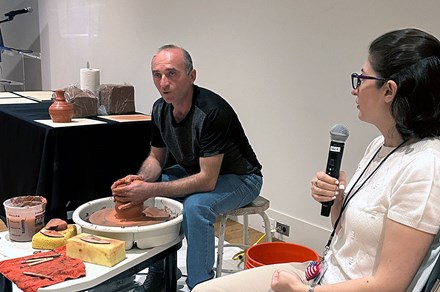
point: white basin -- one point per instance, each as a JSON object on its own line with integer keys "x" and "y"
{"x": 142, "y": 236}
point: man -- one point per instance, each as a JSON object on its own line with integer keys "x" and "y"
{"x": 216, "y": 169}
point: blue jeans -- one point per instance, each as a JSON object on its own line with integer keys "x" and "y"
{"x": 200, "y": 211}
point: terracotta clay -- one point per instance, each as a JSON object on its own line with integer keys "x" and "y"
{"x": 61, "y": 111}
{"x": 132, "y": 212}
{"x": 109, "y": 217}
{"x": 56, "y": 224}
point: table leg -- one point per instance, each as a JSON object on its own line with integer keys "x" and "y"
{"x": 171, "y": 272}
{"x": 5, "y": 284}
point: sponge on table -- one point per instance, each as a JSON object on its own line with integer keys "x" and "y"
{"x": 105, "y": 252}
{"x": 41, "y": 241}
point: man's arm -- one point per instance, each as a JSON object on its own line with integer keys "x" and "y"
{"x": 151, "y": 168}
{"x": 204, "y": 181}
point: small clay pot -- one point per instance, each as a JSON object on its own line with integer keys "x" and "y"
{"x": 132, "y": 212}
{"x": 61, "y": 111}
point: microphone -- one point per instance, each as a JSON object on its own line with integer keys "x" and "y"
{"x": 13, "y": 13}
{"x": 338, "y": 135}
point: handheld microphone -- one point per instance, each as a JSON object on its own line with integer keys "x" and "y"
{"x": 13, "y": 13}
{"x": 338, "y": 135}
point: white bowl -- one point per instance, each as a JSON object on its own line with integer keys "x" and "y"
{"x": 143, "y": 236}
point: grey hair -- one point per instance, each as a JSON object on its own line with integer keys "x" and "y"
{"x": 186, "y": 56}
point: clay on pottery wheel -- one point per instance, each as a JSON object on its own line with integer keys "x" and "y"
{"x": 109, "y": 217}
{"x": 132, "y": 212}
{"x": 61, "y": 111}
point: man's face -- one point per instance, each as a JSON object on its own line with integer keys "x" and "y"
{"x": 169, "y": 76}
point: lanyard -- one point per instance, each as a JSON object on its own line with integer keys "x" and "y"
{"x": 350, "y": 196}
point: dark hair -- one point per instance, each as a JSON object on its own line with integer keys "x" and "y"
{"x": 186, "y": 56}
{"x": 411, "y": 58}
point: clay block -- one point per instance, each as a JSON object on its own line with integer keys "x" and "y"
{"x": 117, "y": 98}
{"x": 85, "y": 104}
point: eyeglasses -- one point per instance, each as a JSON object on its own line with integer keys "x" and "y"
{"x": 356, "y": 79}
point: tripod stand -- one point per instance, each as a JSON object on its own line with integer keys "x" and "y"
{"x": 14, "y": 52}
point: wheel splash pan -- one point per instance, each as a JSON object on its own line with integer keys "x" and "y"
{"x": 142, "y": 236}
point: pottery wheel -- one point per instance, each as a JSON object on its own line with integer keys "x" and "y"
{"x": 107, "y": 217}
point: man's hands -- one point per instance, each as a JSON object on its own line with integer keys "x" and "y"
{"x": 126, "y": 181}
{"x": 130, "y": 190}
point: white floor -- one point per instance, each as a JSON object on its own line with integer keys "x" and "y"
{"x": 228, "y": 263}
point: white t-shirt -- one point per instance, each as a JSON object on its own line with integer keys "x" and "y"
{"x": 405, "y": 189}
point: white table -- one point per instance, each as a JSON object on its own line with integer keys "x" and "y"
{"x": 137, "y": 260}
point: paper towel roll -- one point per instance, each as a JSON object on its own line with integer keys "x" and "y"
{"x": 90, "y": 80}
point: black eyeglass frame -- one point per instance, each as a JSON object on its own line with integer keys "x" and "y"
{"x": 359, "y": 78}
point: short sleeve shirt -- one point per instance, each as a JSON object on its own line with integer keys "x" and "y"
{"x": 405, "y": 189}
{"x": 210, "y": 128}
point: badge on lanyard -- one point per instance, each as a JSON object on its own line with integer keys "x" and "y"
{"x": 315, "y": 271}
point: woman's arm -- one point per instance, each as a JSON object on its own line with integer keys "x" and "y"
{"x": 402, "y": 253}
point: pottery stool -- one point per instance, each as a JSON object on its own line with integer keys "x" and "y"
{"x": 258, "y": 206}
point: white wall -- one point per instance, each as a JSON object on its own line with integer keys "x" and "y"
{"x": 284, "y": 65}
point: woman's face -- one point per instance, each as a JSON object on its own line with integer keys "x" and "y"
{"x": 370, "y": 99}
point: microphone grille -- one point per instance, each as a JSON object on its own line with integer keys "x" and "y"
{"x": 339, "y": 133}
{"x": 29, "y": 9}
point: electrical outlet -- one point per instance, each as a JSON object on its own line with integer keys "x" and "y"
{"x": 282, "y": 228}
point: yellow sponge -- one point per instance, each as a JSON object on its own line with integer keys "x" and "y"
{"x": 41, "y": 241}
{"x": 96, "y": 250}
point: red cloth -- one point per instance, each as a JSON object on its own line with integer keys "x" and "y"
{"x": 60, "y": 269}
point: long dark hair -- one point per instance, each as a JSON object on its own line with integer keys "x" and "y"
{"x": 411, "y": 58}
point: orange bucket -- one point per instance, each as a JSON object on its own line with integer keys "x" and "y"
{"x": 268, "y": 253}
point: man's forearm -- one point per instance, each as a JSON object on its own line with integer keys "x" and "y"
{"x": 182, "y": 187}
{"x": 150, "y": 170}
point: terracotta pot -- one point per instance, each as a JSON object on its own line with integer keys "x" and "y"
{"x": 60, "y": 111}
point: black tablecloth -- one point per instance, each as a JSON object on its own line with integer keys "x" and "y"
{"x": 69, "y": 165}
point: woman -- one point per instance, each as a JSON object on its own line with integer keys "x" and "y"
{"x": 386, "y": 220}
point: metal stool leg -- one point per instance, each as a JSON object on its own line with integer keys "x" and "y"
{"x": 258, "y": 206}
{"x": 267, "y": 226}
{"x": 245, "y": 230}
{"x": 221, "y": 241}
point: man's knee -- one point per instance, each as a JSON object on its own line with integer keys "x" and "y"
{"x": 195, "y": 207}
